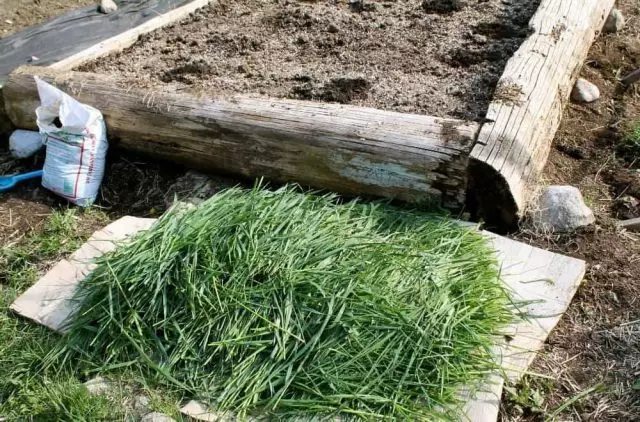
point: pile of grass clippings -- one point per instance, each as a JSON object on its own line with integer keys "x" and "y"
{"x": 290, "y": 304}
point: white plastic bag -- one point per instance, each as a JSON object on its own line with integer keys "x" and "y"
{"x": 76, "y": 140}
{"x": 24, "y": 143}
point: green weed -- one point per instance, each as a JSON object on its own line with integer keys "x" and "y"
{"x": 529, "y": 393}
{"x": 63, "y": 232}
{"x": 629, "y": 146}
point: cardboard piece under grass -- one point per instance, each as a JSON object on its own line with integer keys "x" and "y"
{"x": 545, "y": 279}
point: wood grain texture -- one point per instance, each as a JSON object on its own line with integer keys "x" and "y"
{"x": 527, "y": 107}
{"x": 346, "y": 149}
{"x": 74, "y": 33}
{"x": 548, "y": 282}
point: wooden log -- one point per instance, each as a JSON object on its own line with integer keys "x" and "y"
{"x": 514, "y": 144}
{"x": 347, "y": 149}
{"x": 6, "y": 127}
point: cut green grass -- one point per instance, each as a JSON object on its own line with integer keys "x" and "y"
{"x": 289, "y": 304}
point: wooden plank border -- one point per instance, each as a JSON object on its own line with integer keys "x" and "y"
{"x": 513, "y": 146}
{"x": 352, "y": 150}
{"x": 127, "y": 38}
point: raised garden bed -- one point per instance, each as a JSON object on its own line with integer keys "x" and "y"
{"x": 221, "y": 91}
{"x": 399, "y": 56}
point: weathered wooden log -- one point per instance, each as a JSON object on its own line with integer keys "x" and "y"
{"x": 514, "y": 144}
{"x": 347, "y": 149}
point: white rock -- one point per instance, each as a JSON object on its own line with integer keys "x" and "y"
{"x": 8, "y": 21}
{"x": 34, "y": 59}
{"x": 157, "y": 417}
{"x": 615, "y": 22}
{"x": 98, "y": 386}
{"x": 199, "y": 411}
{"x": 561, "y": 209}
{"x": 584, "y": 92}
{"x": 107, "y": 6}
{"x": 25, "y": 143}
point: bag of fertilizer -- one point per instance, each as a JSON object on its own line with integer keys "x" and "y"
{"x": 76, "y": 141}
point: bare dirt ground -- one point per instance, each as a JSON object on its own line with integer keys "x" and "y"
{"x": 597, "y": 343}
{"x": 426, "y": 57}
{"x": 16, "y": 15}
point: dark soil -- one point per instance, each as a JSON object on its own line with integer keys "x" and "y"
{"x": 436, "y": 57}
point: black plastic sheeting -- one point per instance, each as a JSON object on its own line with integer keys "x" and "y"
{"x": 75, "y": 31}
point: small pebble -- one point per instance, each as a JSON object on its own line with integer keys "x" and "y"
{"x": 141, "y": 402}
{"x": 480, "y": 39}
{"x": 10, "y": 22}
{"x": 98, "y": 386}
{"x": 615, "y": 22}
{"x": 107, "y": 6}
{"x": 584, "y": 92}
{"x": 157, "y": 417}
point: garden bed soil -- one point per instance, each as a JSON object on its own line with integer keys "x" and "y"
{"x": 436, "y": 57}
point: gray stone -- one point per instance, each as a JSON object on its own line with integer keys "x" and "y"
{"x": 561, "y": 209}
{"x": 107, "y": 6}
{"x": 200, "y": 412}
{"x": 584, "y": 92}
{"x": 194, "y": 188}
{"x": 141, "y": 402}
{"x": 98, "y": 386}
{"x": 615, "y": 22}
{"x": 157, "y": 417}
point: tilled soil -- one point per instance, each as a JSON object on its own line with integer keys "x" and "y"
{"x": 436, "y": 57}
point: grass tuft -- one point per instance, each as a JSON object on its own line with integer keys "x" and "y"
{"x": 629, "y": 147}
{"x": 287, "y": 303}
{"x": 58, "y": 237}
{"x": 27, "y": 392}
